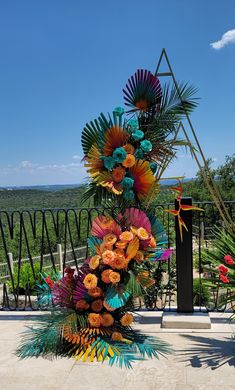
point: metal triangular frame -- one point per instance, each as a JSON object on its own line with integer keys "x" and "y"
{"x": 209, "y": 181}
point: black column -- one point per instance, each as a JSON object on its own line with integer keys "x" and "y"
{"x": 184, "y": 260}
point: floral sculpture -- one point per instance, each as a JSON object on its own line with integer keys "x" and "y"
{"x": 125, "y": 156}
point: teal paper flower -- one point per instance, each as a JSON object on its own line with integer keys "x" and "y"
{"x": 133, "y": 123}
{"x": 127, "y": 183}
{"x": 129, "y": 195}
{"x": 137, "y": 135}
{"x": 146, "y": 146}
{"x": 109, "y": 162}
{"x": 119, "y": 111}
{"x": 139, "y": 154}
{"x": 119, "y": 155}
{"x": 153, "y": 166}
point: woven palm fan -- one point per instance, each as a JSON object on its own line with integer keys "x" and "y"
{"x": 143, "y": 91}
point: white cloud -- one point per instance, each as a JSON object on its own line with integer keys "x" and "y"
{"x": 31, "y": 173}
{"x": 228, "y": 37}
{"x": 77, "y": 157}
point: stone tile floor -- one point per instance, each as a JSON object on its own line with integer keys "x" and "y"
{"x": 202, "y": 359}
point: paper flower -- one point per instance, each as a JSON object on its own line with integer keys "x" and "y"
{"x": 94, "y": 320}
{"x": 139, "y": 154}
{"x": 95, "y": 292}
{"x": 118, "y": 174}
{"x": 146, "y": 146}
{"x": 90, "y": 281}
{"x": 105, "y": 276}
{"x": 94, "y": 262}
{"x": 129, "y": 161}
{"x": 153, "y": 166}
{"x": 107, "y": 320}
{"x": 82, "y": 304}
{"x": 110, "y": 239}
{"x": 129, "y": 148}
{"x": 119, "y": 155}
{"x": 108, "y": 256}
{"x": 229, "y": 260}
{"x": 97, "y": 305}
{"x": 129, "y": 195}
{"x": 127, "y": 183}
{"x": 109, "y": 162}
{"x": 116, "y": 336}
{"x": 137, "y": 135}
{"x": 114, "y": 277}
{"x": 126, "y": 236}
{"x": 127, "y": 319}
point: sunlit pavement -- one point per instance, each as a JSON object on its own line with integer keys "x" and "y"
{"x": 202, "y": 359}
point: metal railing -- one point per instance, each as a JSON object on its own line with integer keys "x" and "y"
{"x": 31, "y": 237}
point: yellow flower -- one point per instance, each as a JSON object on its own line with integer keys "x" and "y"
{"x": 107, "y": 320}
{"x": 110, "y": 239}
{"x": 94, "y": 262}
{"x": 114, "y": 277}
{"x": 139, "y": 257}
{"x": 108, "y": 256}
{"x": 94, "y": 320}
{"x": 95, "y": 292}
{"x": 116, "y": 336}
{"x": 142, "y": 233}
{"x": 105, "y": 276}
{"x": 118, "y": 174}
{"x": 127, "y": 319}
{"x": 129, "y": 148}
{"x": 97, "y": 305}
{"x": 129, "y": 161}
{"x": 126, "y": 236}
{"x": 90, "y": 281}
{"x": 82, "y": 304}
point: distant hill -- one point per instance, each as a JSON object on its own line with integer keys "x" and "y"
{"x": 52, "y": 188}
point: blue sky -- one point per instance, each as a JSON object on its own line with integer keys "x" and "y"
{"x": 64, "y": 62}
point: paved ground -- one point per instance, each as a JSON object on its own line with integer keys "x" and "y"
{"x": 202, "y": 360}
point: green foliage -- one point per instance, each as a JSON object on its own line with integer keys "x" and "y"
{"x": 201, "y": 293}
{"x": 26, "y": 278}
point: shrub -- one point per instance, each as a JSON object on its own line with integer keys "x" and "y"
{"x": 26, "y": 278}
{"x": 201, "y": 293}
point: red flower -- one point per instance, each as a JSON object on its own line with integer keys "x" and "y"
{"x": 49, "y": 282}
{"x": 224, "y": 279}
{"x": 228, "y": 260}
{"x": 223, "y": 270}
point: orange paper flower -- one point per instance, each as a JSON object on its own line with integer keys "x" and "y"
{"x": 114, "y": 277}
{"x": 116, "y": 336}
{"x": 105, "y": 246}
{"x": 97, "y": 305}
{"x": 95, "y": 292}
{"x": 82, "y": 304}
{"x": 107, "y": 320}
{"x": 105, "y": 276}
{"x": 118, "y": 174}
{"x": 94, "y": 262}
{"x": 110, "y": 239}
{"x": 119, "y": 262}
{"x": 121, "y": 244}
{"x": 129, "y": 161}
{"x": 94, "y": 320}
{"x": 119, "y": 252}
{"x": 142, "y": 233}
{"x": 126, "y": 236}
{"x": 129, "y": 148}
{"x": 127, "y": 319}
{"x": 108, "y": 256}
{"x": 90, "y": 281}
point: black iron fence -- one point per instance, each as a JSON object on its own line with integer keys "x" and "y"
{"x": 36, "y": 241}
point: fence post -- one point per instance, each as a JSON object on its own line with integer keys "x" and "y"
{"x": 11, "y": 263}
{"x": 184, "y": 260}
{"x": 60, "y": 256}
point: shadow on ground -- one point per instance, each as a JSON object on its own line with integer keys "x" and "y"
{"x": 209, "y": 352}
